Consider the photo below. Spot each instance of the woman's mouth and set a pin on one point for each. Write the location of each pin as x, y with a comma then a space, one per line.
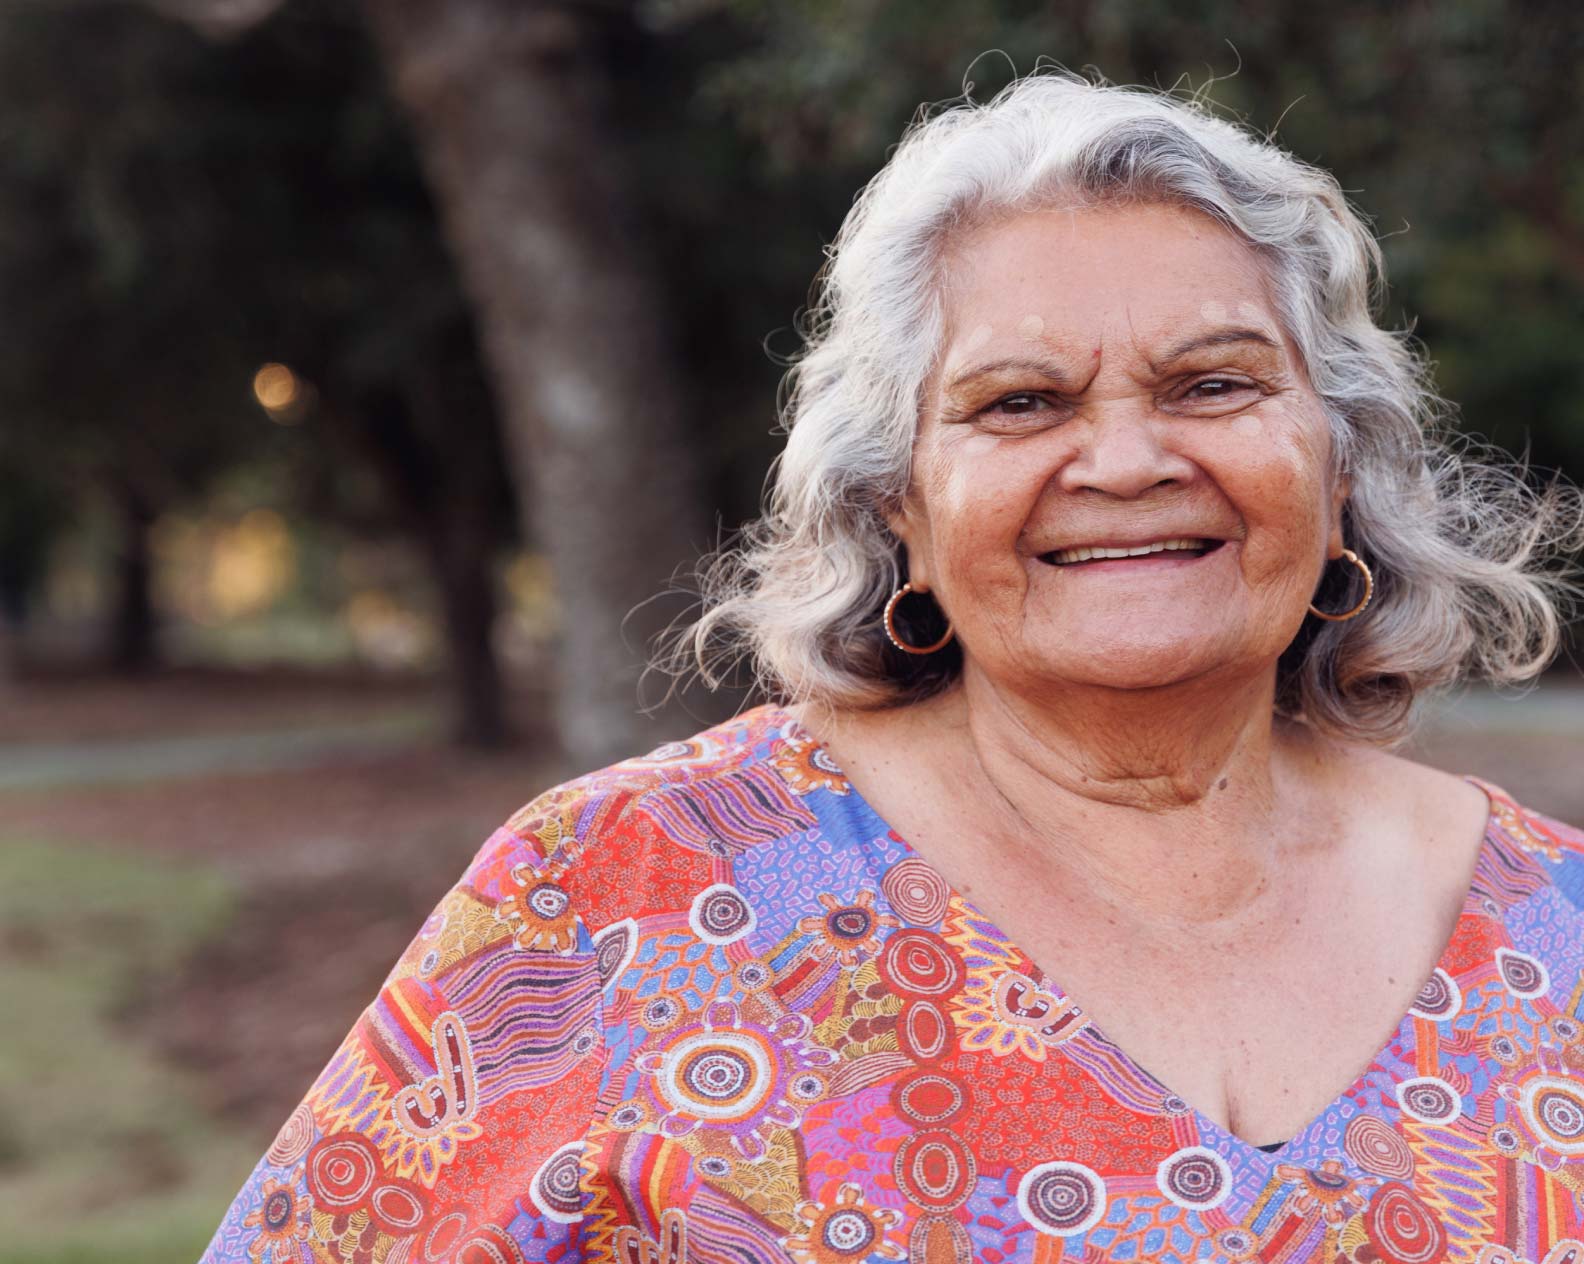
1182, 549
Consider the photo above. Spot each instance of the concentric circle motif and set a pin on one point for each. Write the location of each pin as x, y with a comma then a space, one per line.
1429, 1099
555, 1188
929, 1099
1236, 1241
1171, 1104
442, 1236
1063, 1198
1505, 1141
1378, 1148
752, 975
1553, 1107
916, 891
628, 1117
430, 960
719, 1076
1526, 977
1439, 998
342, 1170
293, 1139
279, 1208
720, 915
1194, 1178
935, 1169
717, 1166
660, 1012
1401, 1228
547, 900
848, 1232
584, 1041
852, 922
1504, 1049
806, 1087
1564, 1029
614, 948
923, 1033
398, 1206
920, 963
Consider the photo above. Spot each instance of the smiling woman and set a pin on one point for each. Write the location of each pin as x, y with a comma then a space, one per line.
1065, 900
1084, 403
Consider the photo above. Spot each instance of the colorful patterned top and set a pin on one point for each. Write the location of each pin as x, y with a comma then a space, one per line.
705, 1006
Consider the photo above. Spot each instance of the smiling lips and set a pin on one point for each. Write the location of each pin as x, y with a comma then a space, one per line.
1100, 552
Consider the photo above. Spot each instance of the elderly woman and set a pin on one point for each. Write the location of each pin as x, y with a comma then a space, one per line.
1068, 902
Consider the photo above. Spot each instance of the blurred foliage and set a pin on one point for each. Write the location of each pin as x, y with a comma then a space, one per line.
175, 211
1453, 126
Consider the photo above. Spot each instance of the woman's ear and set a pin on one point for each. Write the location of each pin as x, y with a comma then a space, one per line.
1335, 542
903, 519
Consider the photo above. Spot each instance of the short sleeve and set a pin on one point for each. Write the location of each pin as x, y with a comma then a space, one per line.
450, 1122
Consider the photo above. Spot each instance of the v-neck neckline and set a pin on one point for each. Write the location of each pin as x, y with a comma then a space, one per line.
788, 725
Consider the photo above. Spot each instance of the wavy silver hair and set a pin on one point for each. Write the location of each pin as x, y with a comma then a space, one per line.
1467, 554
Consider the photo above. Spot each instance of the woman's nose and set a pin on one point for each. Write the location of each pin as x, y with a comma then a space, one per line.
1120, 452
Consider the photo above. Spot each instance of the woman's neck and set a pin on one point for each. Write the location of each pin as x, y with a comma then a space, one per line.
1154, 751
1174, 804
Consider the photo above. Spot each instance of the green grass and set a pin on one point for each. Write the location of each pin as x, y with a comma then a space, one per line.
104, 1152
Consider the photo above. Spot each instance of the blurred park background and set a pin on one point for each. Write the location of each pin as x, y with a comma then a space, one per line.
367, 367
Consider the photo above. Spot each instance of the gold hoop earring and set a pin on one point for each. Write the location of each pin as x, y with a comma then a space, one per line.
891, 630
1369, 591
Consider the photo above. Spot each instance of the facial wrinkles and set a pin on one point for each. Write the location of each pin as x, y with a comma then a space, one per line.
988, 501
997, 330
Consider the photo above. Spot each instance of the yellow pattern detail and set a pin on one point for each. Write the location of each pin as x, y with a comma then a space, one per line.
1434, 1180
367, 1110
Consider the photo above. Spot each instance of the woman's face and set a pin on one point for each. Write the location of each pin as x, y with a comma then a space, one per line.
1117, 377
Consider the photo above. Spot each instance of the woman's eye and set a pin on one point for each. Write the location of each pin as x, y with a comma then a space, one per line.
1017, 405
1218, 388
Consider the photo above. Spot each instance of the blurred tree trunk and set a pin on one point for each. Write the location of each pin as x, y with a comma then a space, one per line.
132, 649
449, 522
461, 553
509, 102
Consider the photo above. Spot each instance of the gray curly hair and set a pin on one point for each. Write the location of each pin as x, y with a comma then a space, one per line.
1467, 554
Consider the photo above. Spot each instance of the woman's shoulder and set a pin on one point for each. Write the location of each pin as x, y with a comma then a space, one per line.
1499, 827
647, 833
1556, 843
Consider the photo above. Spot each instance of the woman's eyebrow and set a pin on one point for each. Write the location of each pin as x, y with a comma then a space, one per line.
1013, 364
1216, 338
1054, 373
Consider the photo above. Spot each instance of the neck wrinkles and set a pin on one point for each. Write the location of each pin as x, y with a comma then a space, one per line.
1167, 803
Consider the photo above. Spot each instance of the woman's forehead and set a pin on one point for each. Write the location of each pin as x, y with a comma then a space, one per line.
1044, 272
1154, 282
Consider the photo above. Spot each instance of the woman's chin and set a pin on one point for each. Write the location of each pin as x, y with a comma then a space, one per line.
1158, 667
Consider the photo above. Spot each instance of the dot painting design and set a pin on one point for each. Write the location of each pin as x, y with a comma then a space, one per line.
706, 1005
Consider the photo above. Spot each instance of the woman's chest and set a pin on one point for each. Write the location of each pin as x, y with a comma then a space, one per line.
1259, 1035
841, 1058
989, 1121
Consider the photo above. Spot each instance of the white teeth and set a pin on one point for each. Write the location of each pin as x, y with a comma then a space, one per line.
1066, 556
